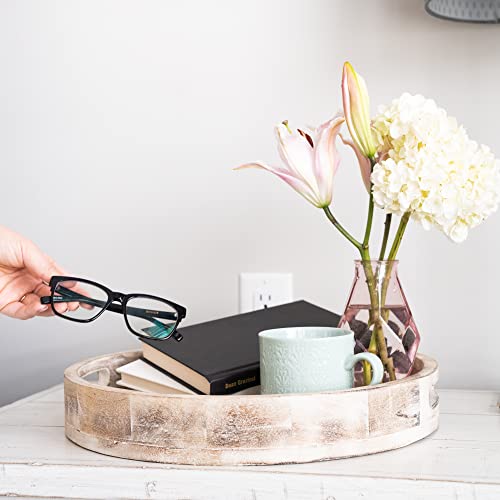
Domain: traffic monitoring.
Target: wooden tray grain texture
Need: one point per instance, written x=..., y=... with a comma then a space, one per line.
x=244, y=430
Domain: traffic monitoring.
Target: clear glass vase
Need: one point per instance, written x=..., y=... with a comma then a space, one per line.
x=378, y=314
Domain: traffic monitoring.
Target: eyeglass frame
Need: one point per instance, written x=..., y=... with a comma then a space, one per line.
x=110, y=305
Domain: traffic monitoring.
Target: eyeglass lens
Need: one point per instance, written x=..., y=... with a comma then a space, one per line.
x=79, y=300
x=150, y=317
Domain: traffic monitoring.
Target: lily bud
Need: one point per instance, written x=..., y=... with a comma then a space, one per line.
x=357, y=110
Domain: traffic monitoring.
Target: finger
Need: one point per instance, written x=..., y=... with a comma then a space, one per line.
x=73, y=306
x=38, y=263
x=16, y=288
x=42, y=290
x=83, y=291
x=77, y=287
x=46, y=314
x=61, y=307
x=27, y=309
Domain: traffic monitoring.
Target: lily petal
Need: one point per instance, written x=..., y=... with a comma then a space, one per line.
x=297, y=154
x=326, y=158
x=296, y=183
x=365, y=166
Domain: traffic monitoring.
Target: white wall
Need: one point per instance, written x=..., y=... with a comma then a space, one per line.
x=120, y=122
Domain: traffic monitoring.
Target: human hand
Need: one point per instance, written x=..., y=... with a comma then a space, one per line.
x=23, y=270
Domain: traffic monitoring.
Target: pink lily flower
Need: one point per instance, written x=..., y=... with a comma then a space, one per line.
x=357, y=110
x=311, y=160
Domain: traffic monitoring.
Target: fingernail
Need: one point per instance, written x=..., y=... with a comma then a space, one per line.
x=43, y=309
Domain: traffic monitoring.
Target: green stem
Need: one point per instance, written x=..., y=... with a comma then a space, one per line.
x=365, y=254
x=341, y=229
x=399, y=236
x=369, y=219
x=369, y=222
x=387, y=230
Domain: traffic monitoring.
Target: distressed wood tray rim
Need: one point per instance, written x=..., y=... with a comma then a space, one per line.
x=425, y=366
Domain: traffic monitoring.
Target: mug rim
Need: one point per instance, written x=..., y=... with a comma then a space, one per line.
x=282, y=333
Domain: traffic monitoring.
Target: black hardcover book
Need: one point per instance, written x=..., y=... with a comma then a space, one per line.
x=222, y=356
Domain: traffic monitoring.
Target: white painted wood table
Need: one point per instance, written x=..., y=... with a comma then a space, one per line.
x=460, y=461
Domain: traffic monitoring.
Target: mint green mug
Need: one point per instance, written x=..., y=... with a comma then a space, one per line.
x=310, y=359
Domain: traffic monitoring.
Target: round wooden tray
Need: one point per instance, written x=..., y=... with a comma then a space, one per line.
x=250, y=429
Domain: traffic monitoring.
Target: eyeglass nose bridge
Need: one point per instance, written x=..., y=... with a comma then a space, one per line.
x=117, y=297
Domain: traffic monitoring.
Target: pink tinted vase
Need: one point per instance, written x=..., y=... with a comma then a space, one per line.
x=380, y=317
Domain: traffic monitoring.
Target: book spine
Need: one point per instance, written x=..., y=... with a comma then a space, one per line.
x=236, y=381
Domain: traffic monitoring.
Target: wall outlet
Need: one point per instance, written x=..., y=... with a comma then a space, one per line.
x=261, y=290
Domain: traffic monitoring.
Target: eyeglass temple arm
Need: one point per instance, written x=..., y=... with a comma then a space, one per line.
x=70, y=296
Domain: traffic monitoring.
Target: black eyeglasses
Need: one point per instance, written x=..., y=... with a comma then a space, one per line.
x=146, y=316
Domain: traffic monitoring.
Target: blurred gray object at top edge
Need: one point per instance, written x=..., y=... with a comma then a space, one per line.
x=471, y=11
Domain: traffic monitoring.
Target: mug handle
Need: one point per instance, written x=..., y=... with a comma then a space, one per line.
x=376, y=364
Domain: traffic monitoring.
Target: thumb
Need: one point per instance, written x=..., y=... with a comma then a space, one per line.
x=38, y=263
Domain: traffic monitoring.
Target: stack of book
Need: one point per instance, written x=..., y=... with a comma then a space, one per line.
x=216, y=357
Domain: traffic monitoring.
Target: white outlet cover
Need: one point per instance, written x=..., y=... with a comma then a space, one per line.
x=276, y=288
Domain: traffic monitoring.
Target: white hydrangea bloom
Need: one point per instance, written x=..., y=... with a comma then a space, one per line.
x=429, y=166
